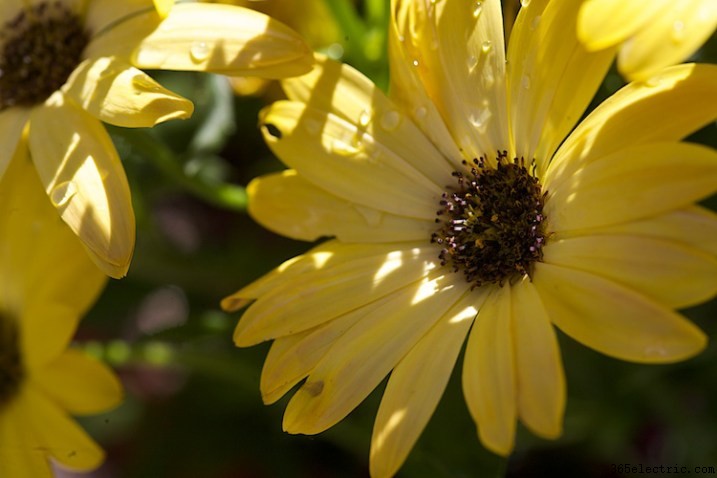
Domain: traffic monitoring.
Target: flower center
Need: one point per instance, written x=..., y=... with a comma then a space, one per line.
x=11, y=370
x=492, y=222
x=39, y=48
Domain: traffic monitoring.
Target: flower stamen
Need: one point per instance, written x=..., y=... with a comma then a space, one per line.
x=492, y=223
x=11, y=369
x=39, y=49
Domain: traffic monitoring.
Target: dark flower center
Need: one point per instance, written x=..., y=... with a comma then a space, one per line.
x=11, y=370
x=39, y=49
x=492, y=222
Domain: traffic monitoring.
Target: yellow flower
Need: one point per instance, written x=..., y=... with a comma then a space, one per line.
x=468, y=204
x=652, y=34
x=46, y=284
x=68, y=65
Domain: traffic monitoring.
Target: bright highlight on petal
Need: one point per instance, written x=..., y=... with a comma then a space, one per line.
x=223, y=39
x=86, y=184
x=122, y=95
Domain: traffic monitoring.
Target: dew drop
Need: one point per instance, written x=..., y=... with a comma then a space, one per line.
x=390, y=120
x=678, y=31
x=472, y=62
x=655, y=351
x=486, y=46
x=312, y=126
x=525, y=82
x=477, y=9
x=372, y=217
x=535, y=22
x=415, y=63
x=199, y=51
x=421, y=112
x=479, y=119
x=343, y=149
x=62, y=193
x=364, y=118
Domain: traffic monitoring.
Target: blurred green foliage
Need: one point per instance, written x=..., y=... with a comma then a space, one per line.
x=193, y=407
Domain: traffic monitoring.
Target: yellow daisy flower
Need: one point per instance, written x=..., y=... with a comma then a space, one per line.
x=652, y=34
x=468, y=205
x=67, y=65
x=46, y=284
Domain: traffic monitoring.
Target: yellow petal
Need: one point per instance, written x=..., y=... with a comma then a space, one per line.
x=636, y=115
x=12, y=122
x=122, y=95
x=344, y=159
x=79, y=384
x=406, y=89
x=221, y=39
x=605, y=23
x=85, y=180
x=416, y=386
x=489, y=381
x=100, y=15
x=9, y=9
x=323, y=255
x=539, y=369
x=670, y=37
x=666, y=271
x=634, y=183
x=337, y=89
x=293, y=357
x=359, y=359
x=313, y=213
x=163, y=6
x=19, y=454
x=551, y=78
x=615, y=320
x=47, y=300
x=458, y=51
x=694, y=226
x=53, y=431
x=361, y=274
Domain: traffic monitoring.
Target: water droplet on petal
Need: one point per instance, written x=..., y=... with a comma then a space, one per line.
x=525, y=82
x=535, y=22
x=390, y=120
x=343, y=149
x=372, y=217
x=415, y=63
x=477, y=9
x=472, y=62
x=655, y=351
x=312, y=126
x=486, y=46
x=479, y=119
x=62, y=193
x=678, y=31
x=421, y=112
x=199, y=51
x=364, y=118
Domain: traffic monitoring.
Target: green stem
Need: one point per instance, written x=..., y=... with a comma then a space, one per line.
x=228, y=196
x=348, y=20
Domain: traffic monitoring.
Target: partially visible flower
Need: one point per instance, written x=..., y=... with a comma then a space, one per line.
x=652, y=34
x=68, y=65
x=471, y=206
x=310, y=18
x=47, y=282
